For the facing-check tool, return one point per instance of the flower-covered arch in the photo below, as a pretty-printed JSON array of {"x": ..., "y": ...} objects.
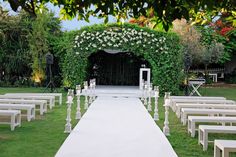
[{"x": 162, "y": 50}]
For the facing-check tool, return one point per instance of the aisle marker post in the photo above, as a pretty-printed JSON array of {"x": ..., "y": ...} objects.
[
  {"x": 68, "y": 117},
  {"x": 78, "y": 92},
  {"x": 166, "y": 129},
  {"x": 156, "y": 95},
  {"x": 86, "y": 103},
  {"x": 149, "y": 107}
]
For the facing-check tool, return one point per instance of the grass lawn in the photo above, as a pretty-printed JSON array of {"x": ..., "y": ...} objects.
[{"x": 43, "y": 136}]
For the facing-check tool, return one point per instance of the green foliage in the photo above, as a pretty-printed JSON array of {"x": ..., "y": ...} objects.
[
  {"x": 230, "y": 44},
  {"x": 24, "y": 41},
  {"x": 44, "y": 29},
  {"x": 210, "y": 39},
  {"x": 164, "y": 11},
  {"x": 161, "y": 50},
  {"x": 14, "y": 54}
]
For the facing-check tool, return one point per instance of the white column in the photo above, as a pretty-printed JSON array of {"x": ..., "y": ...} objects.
[
  {"x": 166, "y": 129},
  {"x": 148, "y": 76},
  {"x": 86, "y": 103},
  {"x": 78, "y": 112},
  {"x": 140, "y": 78},
  {"x": 156, "y": 95},
  {"x": 149, "y": 107},
  {"x": 68, "y": 118}
]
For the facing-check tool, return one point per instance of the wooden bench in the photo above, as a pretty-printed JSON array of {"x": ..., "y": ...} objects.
[
  {"x": 41, "y": 103},
  {"x": 198, "y": 101},
  {"x": 15, "y": 117},
  {"x": 176, "y": 99},
  {"x": 56, "y": 95},
  {"x": 204, "y": 130},
  {"x": 209, "y": 106},
  {"x": 192, "y": 120},
  {"x": 200, "y": 111},
  {"x": 30, "y": 109},
  {"x": 198, "y": 97},
  {"x": 226, "y": 146},
  {"x": 49, "y": 99}
]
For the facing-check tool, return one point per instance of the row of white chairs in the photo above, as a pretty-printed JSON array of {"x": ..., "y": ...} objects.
[
  {"x": 200, "y": 110},
  {"x": 14, "y": 104}
]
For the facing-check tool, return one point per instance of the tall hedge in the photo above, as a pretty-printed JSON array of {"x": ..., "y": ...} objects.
[{"x": 162, "y": 50}]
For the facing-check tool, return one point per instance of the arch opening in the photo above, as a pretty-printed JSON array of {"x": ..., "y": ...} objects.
[{"x": 115, "y": 68}]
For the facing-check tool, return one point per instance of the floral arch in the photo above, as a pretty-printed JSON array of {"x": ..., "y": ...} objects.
[{"x": 162, "y": 51}]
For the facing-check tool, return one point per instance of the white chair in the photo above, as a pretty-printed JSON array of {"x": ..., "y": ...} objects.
[{"x": 15, "y": 118}]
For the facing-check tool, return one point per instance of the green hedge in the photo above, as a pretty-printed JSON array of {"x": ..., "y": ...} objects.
[{"x": 162, "y": 50}]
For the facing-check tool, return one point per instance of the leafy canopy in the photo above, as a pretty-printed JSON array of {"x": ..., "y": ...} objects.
[{"x": 165, "y": 11}]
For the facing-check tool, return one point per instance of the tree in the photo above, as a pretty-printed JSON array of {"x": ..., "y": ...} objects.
[
  {"x": 14, "y": 46},
  {"x": 24, "y": 41},
  {"x": 164, "y": 11},
  {"x": 44, "y": 30}
]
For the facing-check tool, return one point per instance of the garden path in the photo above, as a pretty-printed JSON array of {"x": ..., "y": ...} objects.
[{"x": 116, "y": 127}]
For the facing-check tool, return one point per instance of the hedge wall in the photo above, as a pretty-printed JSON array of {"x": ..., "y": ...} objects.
[{"x": 162, "y": 50}]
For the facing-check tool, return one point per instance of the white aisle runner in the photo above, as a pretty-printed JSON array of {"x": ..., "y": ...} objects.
[{"x": 116, "y": 127}]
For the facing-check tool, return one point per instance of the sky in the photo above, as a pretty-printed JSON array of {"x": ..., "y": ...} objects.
[{"x": 67, "y": 25}]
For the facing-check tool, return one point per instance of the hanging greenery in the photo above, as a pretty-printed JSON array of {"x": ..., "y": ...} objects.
[{"x": 162, "y": 50}]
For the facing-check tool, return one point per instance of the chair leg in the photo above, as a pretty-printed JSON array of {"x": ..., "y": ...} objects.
[
  {"x": 225, "y": 153},
  {"x": 216, "y": 151},
  {"x": 13, "y": 122}
]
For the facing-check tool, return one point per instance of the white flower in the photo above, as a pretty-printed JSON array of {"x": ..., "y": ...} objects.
[
  {"x": 86, "y": 48},
  {"x": 94, "y": 45},
  {"x": 77, "y": 53},
  {"x": 77, "y": 37}
]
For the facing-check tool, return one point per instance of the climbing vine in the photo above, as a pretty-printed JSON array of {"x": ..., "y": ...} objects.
[{"x": 162, "y": 50}]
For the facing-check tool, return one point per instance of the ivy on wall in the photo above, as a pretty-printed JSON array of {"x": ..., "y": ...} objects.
[{"x": 162, "y": 50}]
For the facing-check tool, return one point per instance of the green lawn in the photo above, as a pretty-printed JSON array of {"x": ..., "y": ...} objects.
[{"x": 43, "y": 136}]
